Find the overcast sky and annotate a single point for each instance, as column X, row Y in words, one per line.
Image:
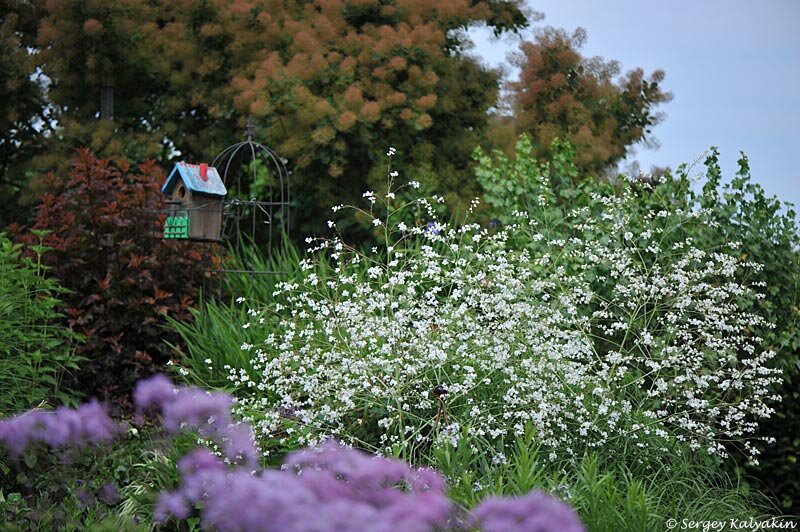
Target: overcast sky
column 733, row 67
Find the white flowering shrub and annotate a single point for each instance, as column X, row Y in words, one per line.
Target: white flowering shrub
column 668, row 327
column 607, row 337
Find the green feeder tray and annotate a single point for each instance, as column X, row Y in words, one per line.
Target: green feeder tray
column 176, row 227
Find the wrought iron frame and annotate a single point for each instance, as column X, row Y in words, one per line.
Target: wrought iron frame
column 279, row 203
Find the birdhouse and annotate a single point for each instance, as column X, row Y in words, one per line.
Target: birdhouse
column 194, row 194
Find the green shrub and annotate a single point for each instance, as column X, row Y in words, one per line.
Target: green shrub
column 740, row 210
column 608, row 496
column 211, row 340
column 737, row 211
column 35, row 346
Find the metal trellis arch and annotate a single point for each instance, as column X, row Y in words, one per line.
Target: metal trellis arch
column 257, row 208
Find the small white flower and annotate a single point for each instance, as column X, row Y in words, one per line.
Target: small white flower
column 499, row 458
column 376, row 222
column 414, row 184
column 240, row 299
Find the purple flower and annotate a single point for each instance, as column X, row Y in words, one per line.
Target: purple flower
column 108, row 494
column 181, row 406
column 272, row 502
column 200, row 459
column 210, row 413
column 193, row 407
column 432, row 227
column 89, row 423
column 153, row 392
column 170, row 505
column 96, row 425
column 534, row 512
column 238, row 445
column 18, row 432
column 330, row 487
column 339, row 471
column 426, row 479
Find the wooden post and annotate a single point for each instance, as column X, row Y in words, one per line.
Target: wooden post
column 106, row 103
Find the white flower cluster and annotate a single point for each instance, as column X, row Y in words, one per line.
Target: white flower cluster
column 586, row 340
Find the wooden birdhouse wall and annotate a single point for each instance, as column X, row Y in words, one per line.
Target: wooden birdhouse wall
column 205, row 218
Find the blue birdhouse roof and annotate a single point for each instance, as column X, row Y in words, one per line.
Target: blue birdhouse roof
column 192, row 179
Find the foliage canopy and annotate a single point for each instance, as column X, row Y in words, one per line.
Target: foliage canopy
column 561, row 94
column 330, row 82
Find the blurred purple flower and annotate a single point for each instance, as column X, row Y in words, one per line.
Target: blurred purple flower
column 239, row 445
column 241, row 501
column 170, row 505
column 193, row 407
column 184, row 407
column 89, row 423
column 330, row 487
column 18, row 432
column 153, row 392
column 108, row 494
column 181, row 406
column 534, row 512
column 200, row 459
